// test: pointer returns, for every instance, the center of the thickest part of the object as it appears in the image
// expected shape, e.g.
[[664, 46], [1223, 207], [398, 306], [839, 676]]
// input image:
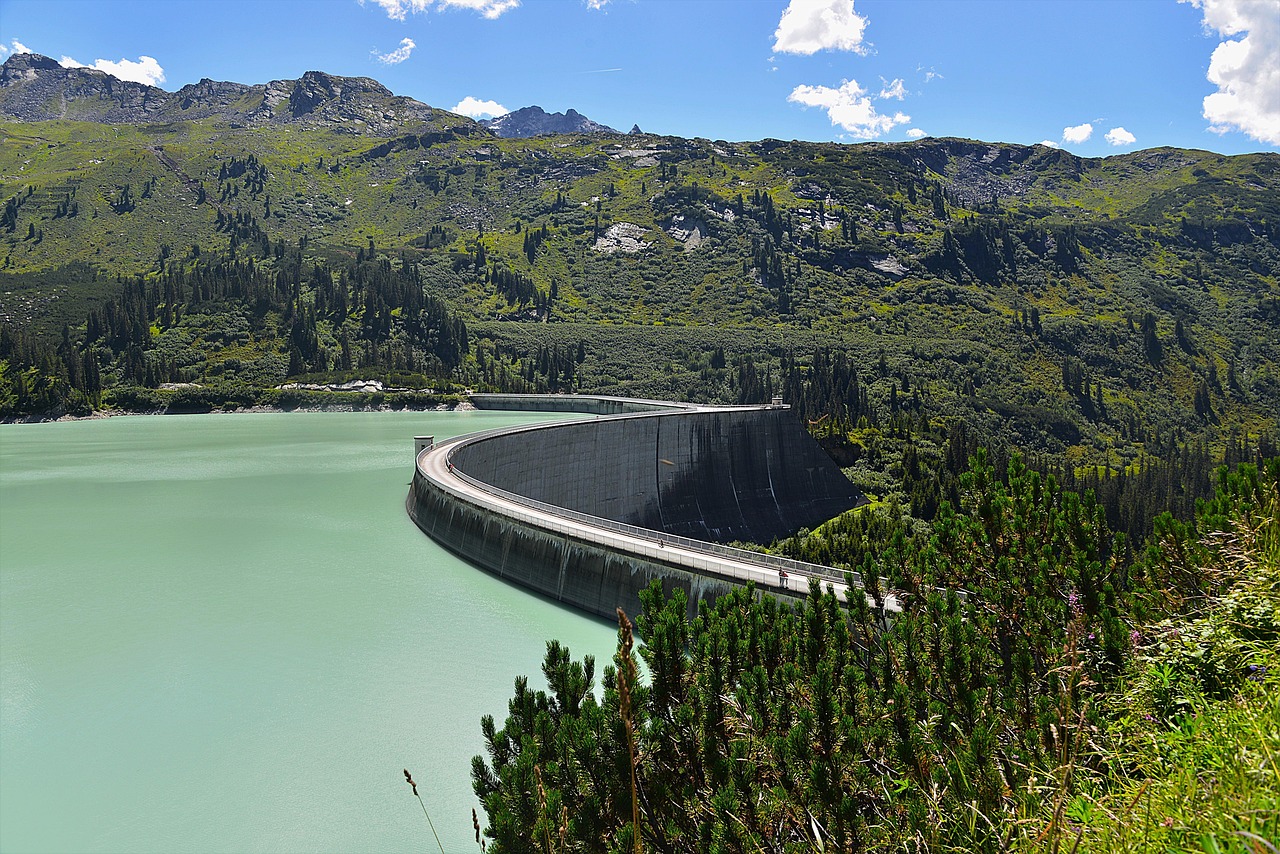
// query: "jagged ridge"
[[535, 121], [36, 88]]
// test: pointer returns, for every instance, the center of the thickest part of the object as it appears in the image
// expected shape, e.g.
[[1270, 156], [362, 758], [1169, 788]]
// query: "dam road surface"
[[591, 512]]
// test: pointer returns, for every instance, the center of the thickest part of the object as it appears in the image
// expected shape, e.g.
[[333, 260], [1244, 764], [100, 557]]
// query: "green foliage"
[[1035, 711], [1109, 318]]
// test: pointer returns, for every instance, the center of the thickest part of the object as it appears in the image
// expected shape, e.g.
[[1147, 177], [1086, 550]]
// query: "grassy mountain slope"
[[1078, 307]]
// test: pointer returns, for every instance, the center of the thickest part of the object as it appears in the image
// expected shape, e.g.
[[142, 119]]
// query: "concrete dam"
[[591, 512]]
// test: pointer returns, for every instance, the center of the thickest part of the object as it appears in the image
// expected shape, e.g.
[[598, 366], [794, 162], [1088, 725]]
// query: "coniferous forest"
[[1048, 685]]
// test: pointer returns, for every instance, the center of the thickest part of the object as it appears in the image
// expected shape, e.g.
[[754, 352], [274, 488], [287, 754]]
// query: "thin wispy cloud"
[[808, 26], [398, 55], [892, 89], [929, 74], [601, 71], [398, 10]]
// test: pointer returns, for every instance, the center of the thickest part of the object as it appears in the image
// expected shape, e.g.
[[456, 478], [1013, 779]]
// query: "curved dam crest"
[[591, 512]]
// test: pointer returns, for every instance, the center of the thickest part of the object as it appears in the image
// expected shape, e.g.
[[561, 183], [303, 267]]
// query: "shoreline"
[[461, 406]]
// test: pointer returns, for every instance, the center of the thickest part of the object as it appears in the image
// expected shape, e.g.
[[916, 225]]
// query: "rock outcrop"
[[37, 88], [535, 121]]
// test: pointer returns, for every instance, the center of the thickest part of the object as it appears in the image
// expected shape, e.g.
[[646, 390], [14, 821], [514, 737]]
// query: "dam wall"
[[591, 512], [751, 474], [573, 566]]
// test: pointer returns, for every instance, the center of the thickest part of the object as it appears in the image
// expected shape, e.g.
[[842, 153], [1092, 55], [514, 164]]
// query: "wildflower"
[[1073, 600]]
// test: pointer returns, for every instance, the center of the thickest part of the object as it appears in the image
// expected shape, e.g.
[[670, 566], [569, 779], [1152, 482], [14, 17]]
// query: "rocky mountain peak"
[[26, 64], [535, 121], [36, 88]]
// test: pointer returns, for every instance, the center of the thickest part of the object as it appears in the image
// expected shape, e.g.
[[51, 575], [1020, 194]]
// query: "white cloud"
[[849, 108], [1048, 143], [397, 9], [808, 26], [1245, 70], [17, 47], [916, 133], [144, 70], [1120, 136], [1077, 134], [929, 74], [597, 5], [895, 89], [398, 55], [476, 108]]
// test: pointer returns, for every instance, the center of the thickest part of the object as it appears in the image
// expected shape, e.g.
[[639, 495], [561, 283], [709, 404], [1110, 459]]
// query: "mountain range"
[[1080, 307]]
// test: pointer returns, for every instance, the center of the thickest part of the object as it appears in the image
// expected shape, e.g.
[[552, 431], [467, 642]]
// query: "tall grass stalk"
[[408, 778]]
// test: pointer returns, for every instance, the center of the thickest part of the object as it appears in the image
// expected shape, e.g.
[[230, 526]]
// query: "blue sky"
[[1093, 76]]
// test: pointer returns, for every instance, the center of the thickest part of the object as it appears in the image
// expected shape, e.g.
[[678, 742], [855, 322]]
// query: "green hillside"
[[1095, 312]]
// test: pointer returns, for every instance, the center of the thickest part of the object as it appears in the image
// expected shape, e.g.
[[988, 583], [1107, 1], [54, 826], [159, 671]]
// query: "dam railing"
[[661, 539]]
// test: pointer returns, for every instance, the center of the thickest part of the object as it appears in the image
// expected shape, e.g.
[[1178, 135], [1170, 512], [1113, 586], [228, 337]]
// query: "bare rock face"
[[535, 121], [690, 231], [24, 66], [35, 88], [621, 237], [208, 97]]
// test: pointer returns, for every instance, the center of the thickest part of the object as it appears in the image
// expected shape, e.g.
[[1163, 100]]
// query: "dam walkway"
[[584, 559]]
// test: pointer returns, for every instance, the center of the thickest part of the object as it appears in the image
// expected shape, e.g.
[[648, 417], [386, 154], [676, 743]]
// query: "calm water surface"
[[222, 633]]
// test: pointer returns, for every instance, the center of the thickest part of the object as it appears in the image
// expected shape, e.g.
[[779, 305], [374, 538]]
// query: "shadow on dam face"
[[715, 475]]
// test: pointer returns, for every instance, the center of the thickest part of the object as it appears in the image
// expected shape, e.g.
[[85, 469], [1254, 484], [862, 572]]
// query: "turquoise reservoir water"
[[222, 633]]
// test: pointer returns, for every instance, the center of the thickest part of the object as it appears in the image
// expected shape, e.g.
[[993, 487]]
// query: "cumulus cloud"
[[916, 133], [892, 89], [1048, 143], [808, 26], [477, 109], [1246, 70], [597, 4], [397, 9], [398, 55], [1078, 134], [144, 70], [1120, 136], [848, 107]]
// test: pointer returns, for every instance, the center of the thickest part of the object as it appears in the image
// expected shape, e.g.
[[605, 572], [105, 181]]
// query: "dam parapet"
[[591, 512], [593, 404]]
